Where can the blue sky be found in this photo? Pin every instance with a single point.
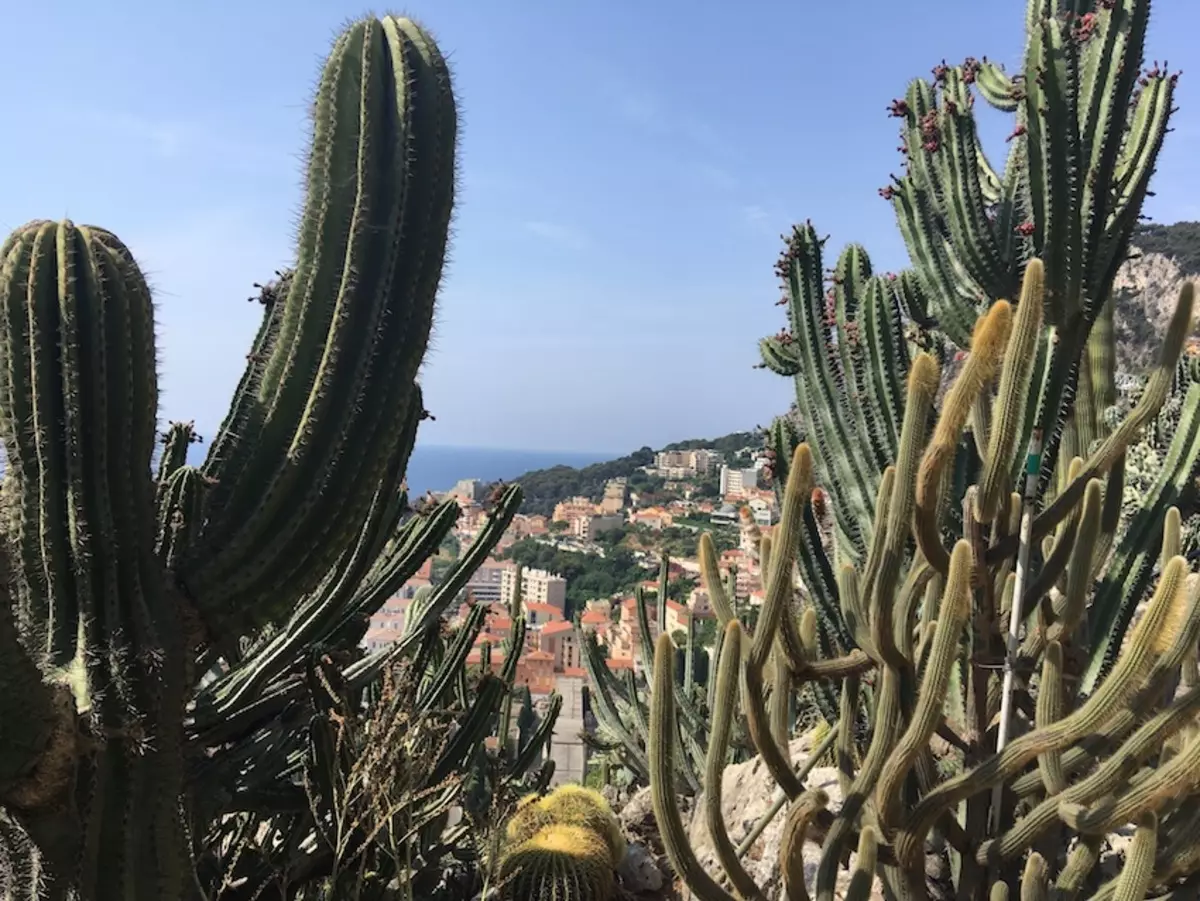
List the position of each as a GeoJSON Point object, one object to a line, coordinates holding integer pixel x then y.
{"type": "Point", "coordinates": [627, 170]}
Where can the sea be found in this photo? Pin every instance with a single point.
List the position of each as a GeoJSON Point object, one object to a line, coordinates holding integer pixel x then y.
{"type": "Point", "coordinates": [437, 468]}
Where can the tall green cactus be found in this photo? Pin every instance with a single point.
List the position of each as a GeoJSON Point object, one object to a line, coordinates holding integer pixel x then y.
{"type": "Point", "coordinates": [180, 644]}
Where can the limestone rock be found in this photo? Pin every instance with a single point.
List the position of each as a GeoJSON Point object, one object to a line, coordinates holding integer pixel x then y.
{"type": "Point", "coordinates": [748, 793]}
{"type": "Point", "coordinates": [1144, 295]}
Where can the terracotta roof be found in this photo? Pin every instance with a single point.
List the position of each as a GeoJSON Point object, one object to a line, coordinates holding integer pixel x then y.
{"type": "Point", "coordinates": [620, 663]}
{"type": "Point", "coordinates": [539, 607]}
{"type": "Point", "coordinates": [594, 617]}
{"type": "Point", "coordinates": [538, 655]}
{"type": "Point", "coordinates": [557, 627]}
{"type": "Point", "coordinates": [575, 672]}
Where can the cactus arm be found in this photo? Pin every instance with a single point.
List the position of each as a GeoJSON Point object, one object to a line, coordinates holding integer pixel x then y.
{"type": "Point", "coordinates": [996, 87]}
{"type": "Point", "coordinates": [952, 618]}
{"type": "Point", "coordinates": [178, 437]}
{"type": "Point", "coordinates": [718, 746]}
{"type": "Point", "coordinates": [887, 359]}
{"type": "Point", "coordinates": [1150, 641]}
{"type": "Point", "coordinates": [988, 341]}
{"type": "Point", "coordinates": [539, 739]}
{"type": "Point", "coordinates": [1131, 566]}
{"type": "Point", "coordinates": [795, 833]}
{"type": "Point", "coordinates": [863, 877]}
{"type": "Point", "coordinates": [1139, 862]}
{"type": "Point", "coordinates": [36, 718]}
{"type": "Point", "coordinates": [710, 575]}
{"type": "Point", "coordinates": [453, 661]}
{"type": "Point", "coordinates": [1015, 378]}
{"type": "Point", "coordinates": [662, 783]}
{"type": "Point", "coordinates": [472, 729]}
{"type": "Point", "coordinates": [77, 417]}
{"type": "Point", "coordinates": [1035, 880]}
{"type": "Point", "coordinates": [604, 705]}
{"type": "Point", "coordinates": [922, 387]}
{"type": "Point", "coordinates": [322, 424]}
{"type": "Point", "coordinates": [1057, 93]}
{"type": "Point", "coordinates": [887, 720]}
{"type": "Point", "coordinates": [1147, 792]}
{"type": "Point", "coordinates": [1080, 863]}
{"type": "Point", "coordinates": [1050, 710]}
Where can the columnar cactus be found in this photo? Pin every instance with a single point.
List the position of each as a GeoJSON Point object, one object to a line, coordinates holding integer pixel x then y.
{"type": "Point", "coordinates": [621, 705]}
{"type": "Point", "coordinates": [168, 636]}
{"type": "Point", "coordinates": [1097, 749]}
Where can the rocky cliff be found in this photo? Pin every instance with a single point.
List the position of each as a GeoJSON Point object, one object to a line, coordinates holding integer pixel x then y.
{"type": "Point", "coordinates": [1147, 287]}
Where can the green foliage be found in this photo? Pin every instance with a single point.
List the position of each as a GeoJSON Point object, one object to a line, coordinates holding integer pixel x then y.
{"type": "Point", "coordinates": [726, 444]}
{"type": "Point", "coordinates": [589, 576]}
{"type": "Point", "coordinates": [1179, 241]}
{"type": "Point", "coordinates": [546, 487]}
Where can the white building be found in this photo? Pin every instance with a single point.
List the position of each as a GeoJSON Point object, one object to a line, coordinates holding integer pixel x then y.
{"type": "Point", "coordinates": [738, 481]}
{"type": "Point", "coordinates": [537, 586]}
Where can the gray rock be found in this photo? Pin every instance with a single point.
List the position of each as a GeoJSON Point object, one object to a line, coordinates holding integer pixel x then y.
{"type": "Point", "coordinates": [747, 794]}
{"type": "Point", "coordinates": [637, 816]}
{"type": "Point", "coordinates": [639, 871]}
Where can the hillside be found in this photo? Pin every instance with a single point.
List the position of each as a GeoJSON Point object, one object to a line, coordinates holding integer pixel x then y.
{"type": "Point", "coordinates": [546, 487]}
{"type": "Point", "coordinates": [1180, 242]}
{"type": "Point", "coordinates": [1147, 287]}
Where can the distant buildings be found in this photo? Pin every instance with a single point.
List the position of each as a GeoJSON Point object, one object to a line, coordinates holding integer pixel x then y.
{"type": "Point", "coordinates": [683, 464]}
{"type": "Point", "coordinates": [537, 587]}
{"type": "Point", "coordinates": [573, 509]}
{"type": "Point", "coordinates": [469, 490]}
{"type": "Point", "coordinates": [484, 586]}
{"type": "Point", "coordinates": [588, 528]}
{"type": "Point", "coordinates": [738, 482]}
{"type": "Point", "coordinates": [616, 496]}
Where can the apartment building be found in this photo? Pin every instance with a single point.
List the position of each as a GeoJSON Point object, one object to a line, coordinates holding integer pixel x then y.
{"type": "Point", "coordinates": [683, 464]}
{"type": "Point", "coordinates": [537, 587]}
{"type": "Point", "coordinates": [484, 584]}
{"type": "Point", "coordinates": [589, 527]}
{"type": "Point", "coordinates": [738, 482]}
{"type": "Point", "coordinates": [470, 490]}
{"type": "Point", "coordinates": [573, 508]}
{"type": "Point", "coordinates": [616, 496]}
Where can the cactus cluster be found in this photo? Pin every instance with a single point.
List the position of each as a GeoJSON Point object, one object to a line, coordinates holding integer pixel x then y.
{"type": "Point", "coordinates": [565, 845]}
{"type": "Point", "coordinates": [621, 706]}
{"type": "Point", "coordinates": [1002, 638]}
{"type": "Point", "coordinates": [189, 710]}
{"type": "Point", "coordinates": [1097, 698]}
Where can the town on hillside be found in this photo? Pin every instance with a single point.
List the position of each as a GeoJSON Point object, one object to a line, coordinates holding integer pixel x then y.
{"type": "Point", "coordinates": [581, 565]}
